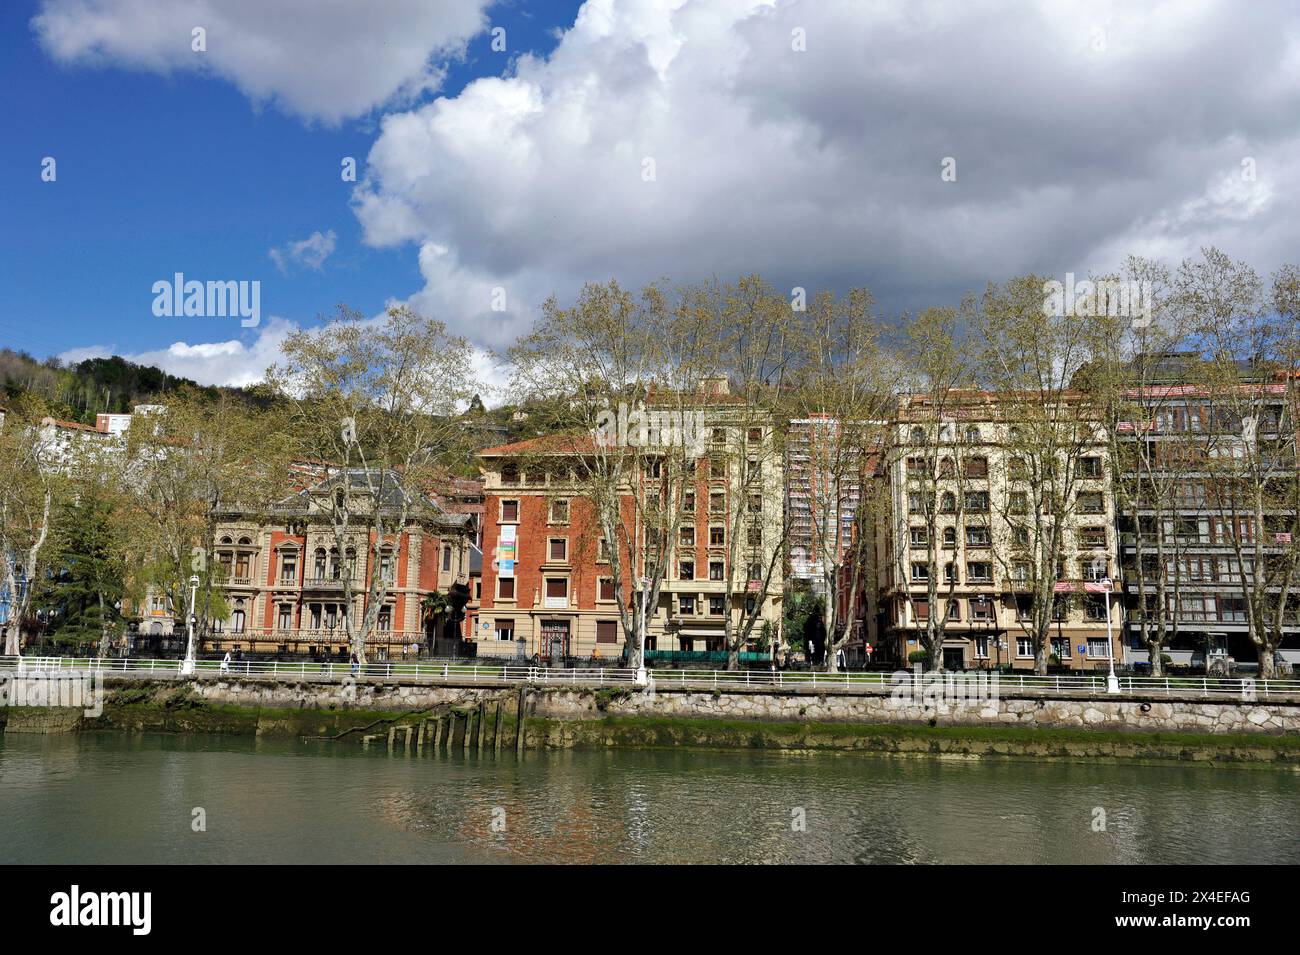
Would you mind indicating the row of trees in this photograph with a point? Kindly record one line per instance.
(1074, 395)
(371, 411)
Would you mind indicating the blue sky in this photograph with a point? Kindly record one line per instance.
(805, 140)
(159, 174)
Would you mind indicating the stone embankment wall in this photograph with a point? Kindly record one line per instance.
(1140, 713)
(802, 718)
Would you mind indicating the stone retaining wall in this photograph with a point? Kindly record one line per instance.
(1147, 714)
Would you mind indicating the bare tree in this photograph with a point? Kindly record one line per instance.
(373, 414)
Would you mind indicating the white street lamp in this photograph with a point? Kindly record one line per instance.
(641, 679)
(187, 667)
(1112, 681)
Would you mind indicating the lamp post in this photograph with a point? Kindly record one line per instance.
(640, 670)
(1112, 681)
(187, 667)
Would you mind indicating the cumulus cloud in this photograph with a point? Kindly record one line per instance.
(310, 252)
(233, 362)
(319, 59)
(682, 139)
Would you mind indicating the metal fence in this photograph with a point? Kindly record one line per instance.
(863, 682)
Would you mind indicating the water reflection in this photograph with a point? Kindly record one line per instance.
(105, 798)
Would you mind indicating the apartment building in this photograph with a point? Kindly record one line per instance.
(547, 586)
(1189, 546)
(965, 513)
(285, 575)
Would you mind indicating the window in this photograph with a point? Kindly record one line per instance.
(1024, 606)
(977, 536)
(921, 609)
(1019, 503)
(1022, 571)
(446, 557)
(977, 468)
(716, 570)
(718, 436)
(602, 551)
(1061, 647)
(982, 648)
(606, 631)
(954, 610)
(717, 503)
(686, 570)
(1088, 467)
(557, 592)
(505, 588)
(915, 502)
(688, 502)
(1093, 569)
(1092, 537)
(981, 610)
(284, 621)
(505, 629)
(979, 571)
(653, 468)
(716, 604)
(920, 572)
(717, 536)
(510, 511)
(605, 589)
(918, 436)
(318, 569)
(948, 503)
(560, 512)
(756, 504)
(1091, 502)
(1024, 646)
(686, 537)
(1094, 607)
(754, 434)
(559, 549)
(385, 619)
(686, 604)
(977, 502)
(1017, 469)
(950, 537)
(1097, 647)
(972, 435)
(288, 568)
(754, 535)
(920, 536)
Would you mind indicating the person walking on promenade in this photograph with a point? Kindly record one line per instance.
(225, 663)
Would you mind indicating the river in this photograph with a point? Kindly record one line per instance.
(118, 798)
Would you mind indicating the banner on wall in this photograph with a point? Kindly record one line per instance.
(507, 551)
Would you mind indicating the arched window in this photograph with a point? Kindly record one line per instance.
(950, 537)
(319, 570)
(949, 502)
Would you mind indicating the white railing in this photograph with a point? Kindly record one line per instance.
(513, 672)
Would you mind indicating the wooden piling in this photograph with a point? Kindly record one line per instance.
(482, 724)
(496, 730)
(519, 721)
(437, 735)
(392, 737)
(464, 742)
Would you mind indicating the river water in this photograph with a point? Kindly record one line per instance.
(117, 798)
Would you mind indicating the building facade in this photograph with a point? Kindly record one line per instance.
(285, 578)
(958, 509)
(547, 584)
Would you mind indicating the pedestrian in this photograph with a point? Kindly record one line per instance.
(356, 664)
(225, 663)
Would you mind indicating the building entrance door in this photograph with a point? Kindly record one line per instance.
(555, 640)
(953, 658)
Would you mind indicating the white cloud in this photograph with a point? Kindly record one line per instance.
(323, 59)
(232, 362)
(310, 252)
(823, 166)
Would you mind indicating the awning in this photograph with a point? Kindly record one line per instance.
(1088, 586)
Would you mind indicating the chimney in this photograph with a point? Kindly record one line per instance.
(715, 385)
